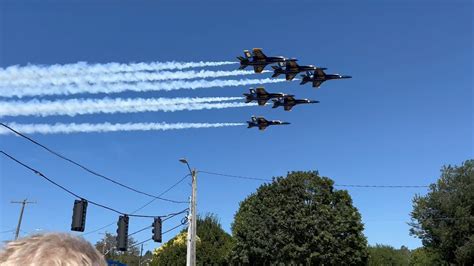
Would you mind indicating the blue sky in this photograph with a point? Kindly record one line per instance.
(406, 112)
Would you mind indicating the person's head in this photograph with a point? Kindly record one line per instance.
(50, 249)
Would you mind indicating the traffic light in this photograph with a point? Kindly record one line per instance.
(79, 215)
(122, 233)
(156, 230)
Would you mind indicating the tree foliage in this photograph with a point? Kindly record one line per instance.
(424, 257)
(387, 255)
(300, 219)
(213, 245)
(444, 218)
(107, 246)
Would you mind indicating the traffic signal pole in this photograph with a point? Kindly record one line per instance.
(23, 204)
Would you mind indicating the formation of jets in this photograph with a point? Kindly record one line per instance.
(289, 68)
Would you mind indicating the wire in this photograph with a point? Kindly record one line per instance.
(336, 185)
(235, 176)
(140, 208)
(151, 201)
(87, 169)
(79, 197)
(167, 231)
(139, 243)
(382, 186)
(7, 231)
(141, 230)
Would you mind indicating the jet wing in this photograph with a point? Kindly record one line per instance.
(262, 102)
(319, 72)
(262, 127)
(317, 83)
(290, 98)
(258, 54)
(288, 107)
(258, 69)
(290, 76)
(261, 91)
(291, 64)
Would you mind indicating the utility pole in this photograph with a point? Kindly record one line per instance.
(23, 204)
(191, 238)
(140, 258)
(193, 213)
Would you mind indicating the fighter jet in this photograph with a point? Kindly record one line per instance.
(263, 123)
(318, 77)
(291, 69)
(262, 96)
(258, 60)
(289, 101)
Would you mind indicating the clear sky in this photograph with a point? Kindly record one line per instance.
(406, 112)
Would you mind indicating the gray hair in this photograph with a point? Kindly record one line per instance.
(51, 249)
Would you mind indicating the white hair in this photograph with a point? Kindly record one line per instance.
(50, 249)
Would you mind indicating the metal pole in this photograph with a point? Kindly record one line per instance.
(193, 235)
(188, 236)
(140, 258)
(23, 204)
(191, 238)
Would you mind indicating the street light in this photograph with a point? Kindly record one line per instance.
(183, 160)
(191, 238)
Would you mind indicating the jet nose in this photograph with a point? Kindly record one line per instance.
(346, 77)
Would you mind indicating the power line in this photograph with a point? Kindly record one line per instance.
(183, 221)
(336, 185)
(167, 231)
(86, 168)
(382, 186)
(140, 208)
(76, 195)
(141, 230)
(162, 193)
(236, 176)
(139, 243)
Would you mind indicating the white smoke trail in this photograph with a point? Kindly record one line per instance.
(80, 68)
(122, 77)
(60, 128)
(75, 107)
(137, 87)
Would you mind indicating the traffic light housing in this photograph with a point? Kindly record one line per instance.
(122, 233)
(79, 215)
(156, 230)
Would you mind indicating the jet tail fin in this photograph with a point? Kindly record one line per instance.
(247, 54)
(275, 103)
(243, 62)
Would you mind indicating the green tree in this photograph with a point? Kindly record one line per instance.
(107, 246)
(444, 218)
(387, 255)
(300, 219)
(213, 245)
(424, 257)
